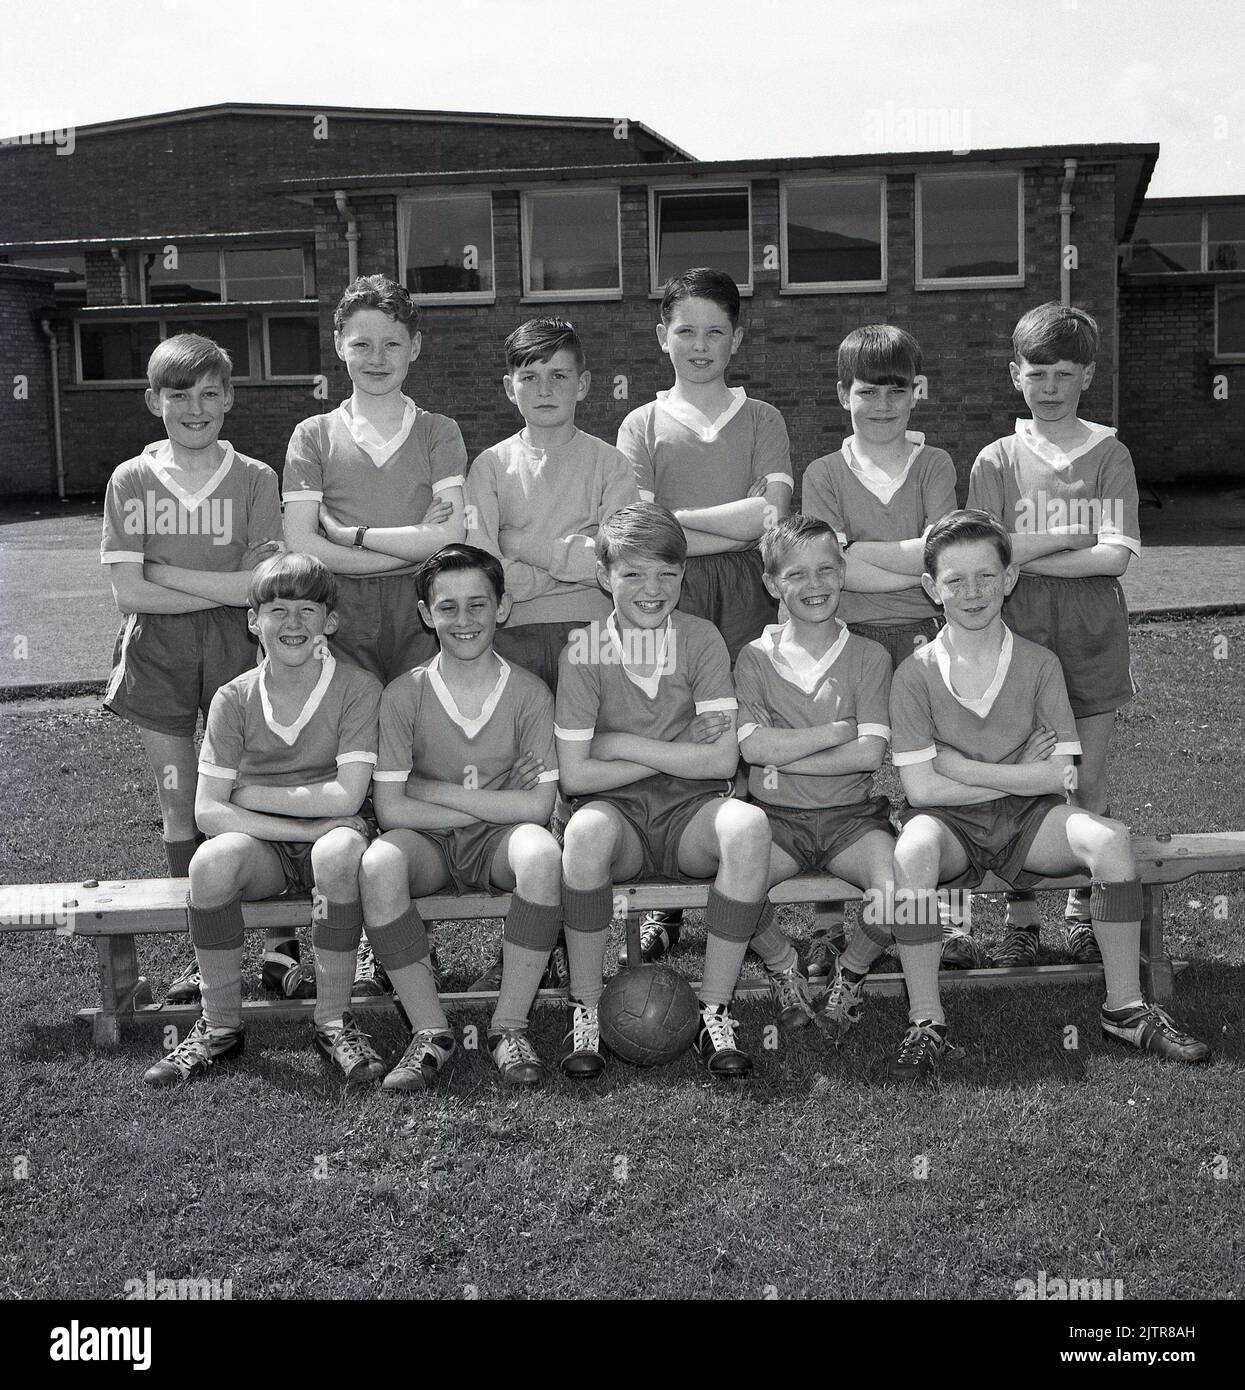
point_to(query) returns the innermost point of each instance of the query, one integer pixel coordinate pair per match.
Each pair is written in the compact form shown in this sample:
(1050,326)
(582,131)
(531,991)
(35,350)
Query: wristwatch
(358,537)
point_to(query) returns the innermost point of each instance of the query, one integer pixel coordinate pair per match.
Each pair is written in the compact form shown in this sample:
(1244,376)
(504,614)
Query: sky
(727,79)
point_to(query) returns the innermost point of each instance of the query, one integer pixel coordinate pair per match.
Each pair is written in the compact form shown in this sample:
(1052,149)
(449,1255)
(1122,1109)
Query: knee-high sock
(918,937)
(401,946)
(1116,912)
(731,925)
(217,935)
(179,853)
(873,939)
(530,933)
(773,944)
(587,913)
(335,939)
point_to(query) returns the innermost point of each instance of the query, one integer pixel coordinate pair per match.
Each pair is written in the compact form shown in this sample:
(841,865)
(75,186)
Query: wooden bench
(112,914)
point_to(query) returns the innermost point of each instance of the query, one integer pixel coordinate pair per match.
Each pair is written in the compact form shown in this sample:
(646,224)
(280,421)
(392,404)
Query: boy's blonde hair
(178,362)
(643,529)
(291,575)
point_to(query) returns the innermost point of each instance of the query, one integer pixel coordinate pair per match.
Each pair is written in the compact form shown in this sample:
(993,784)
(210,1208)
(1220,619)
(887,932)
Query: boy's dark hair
(879,354)
(376,292)
(178,362)
(701,283)
(293,576)
(795,529)
(967,524)
(644,529)
(455,559)
(538,339)
(1055,332)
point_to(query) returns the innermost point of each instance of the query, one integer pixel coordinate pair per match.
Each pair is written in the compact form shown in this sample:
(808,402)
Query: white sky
(723,78)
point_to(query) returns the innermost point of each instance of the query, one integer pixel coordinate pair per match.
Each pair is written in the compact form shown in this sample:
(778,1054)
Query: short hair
(880,354)
(967,524)
(178,362)
(701,283)
(291,575)
(376,292)
(1055,332)
(456,559)
(643,529)
(795,529)
(538,340)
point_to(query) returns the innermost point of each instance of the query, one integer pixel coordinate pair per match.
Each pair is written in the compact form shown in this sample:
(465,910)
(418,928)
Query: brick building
(244,221)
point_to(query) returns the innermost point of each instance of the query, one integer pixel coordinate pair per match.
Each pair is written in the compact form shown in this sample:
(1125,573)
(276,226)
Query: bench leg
(1158,977)
(121,988)
(634,921)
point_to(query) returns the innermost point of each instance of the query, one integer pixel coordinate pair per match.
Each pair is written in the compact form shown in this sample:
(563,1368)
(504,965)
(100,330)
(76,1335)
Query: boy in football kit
(983,738)
(372,489)
(184,523)
(880,492)
(464,787)
(1066,492)
(536,499)
(647,754)
(283,773)
(721,462)
(814,721)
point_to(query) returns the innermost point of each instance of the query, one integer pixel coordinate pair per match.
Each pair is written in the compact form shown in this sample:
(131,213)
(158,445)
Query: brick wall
(1170,419)
(215,173)
(27,457)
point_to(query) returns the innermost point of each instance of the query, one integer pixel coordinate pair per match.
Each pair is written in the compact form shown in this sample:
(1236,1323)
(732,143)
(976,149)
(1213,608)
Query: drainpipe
(119,256)
(54,357)
(1065,231)
(352,232)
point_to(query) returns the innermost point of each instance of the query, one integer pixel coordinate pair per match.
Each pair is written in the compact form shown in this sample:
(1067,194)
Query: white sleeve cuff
(226,774)
(122,557)
(551,776)
(391,776)
(1072,747)
(357,757)
(302,495)
(744,730)
(874,731)
(919,755)
(710,706)
(574,735)
(1118,538)
(646,496)
(781,478)
(444,484)
(841,537)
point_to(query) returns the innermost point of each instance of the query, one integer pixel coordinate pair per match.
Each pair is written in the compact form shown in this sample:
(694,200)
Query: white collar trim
(288,733)
(368,437)
(797,667)
(471,727)
(701,426)
(648,684)
(875,479)
(1052,453)
(160,457)
(983,705)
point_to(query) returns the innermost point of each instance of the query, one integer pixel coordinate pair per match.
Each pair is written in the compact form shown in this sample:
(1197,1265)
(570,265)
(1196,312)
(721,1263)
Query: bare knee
(218,869)
(335,860)
(589,843)
(536,861)
(743,834)
(918,855)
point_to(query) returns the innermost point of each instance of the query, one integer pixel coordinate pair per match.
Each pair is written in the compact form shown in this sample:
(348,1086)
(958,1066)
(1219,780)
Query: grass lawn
(811,1180)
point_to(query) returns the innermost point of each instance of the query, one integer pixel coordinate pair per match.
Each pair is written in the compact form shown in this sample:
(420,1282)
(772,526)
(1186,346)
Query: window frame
(445,195)
(654,259)
(529,295)
(789,286)
(167,327)
(308,255)
(266,346)
(1221,354)
(967,282)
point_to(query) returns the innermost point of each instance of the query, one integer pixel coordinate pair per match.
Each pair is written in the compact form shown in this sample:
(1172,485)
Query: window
(1230,321)
(234,335)
(834,234)
(445,246)
(291,345)
(968,230)
(710,227)
(1166,240)
(178,274)
(116,351)
(1225,236)
(571,246)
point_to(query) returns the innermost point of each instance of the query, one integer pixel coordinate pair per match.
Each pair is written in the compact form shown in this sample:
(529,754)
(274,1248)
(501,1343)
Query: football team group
(576,664)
